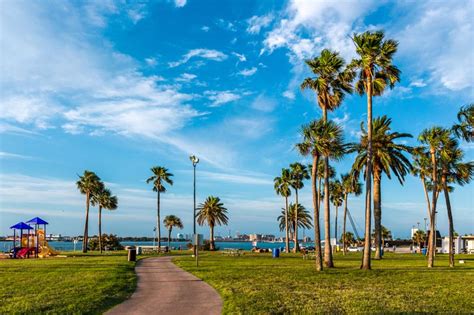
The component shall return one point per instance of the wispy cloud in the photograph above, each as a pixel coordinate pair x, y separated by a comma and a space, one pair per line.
248, 72
256, 23
220, 98
186, 77
209, 54
180, 3
8, 155
241, 57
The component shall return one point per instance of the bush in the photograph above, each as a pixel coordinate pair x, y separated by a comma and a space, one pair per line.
109, 242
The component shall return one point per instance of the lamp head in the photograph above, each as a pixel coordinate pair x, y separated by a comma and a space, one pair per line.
194, 159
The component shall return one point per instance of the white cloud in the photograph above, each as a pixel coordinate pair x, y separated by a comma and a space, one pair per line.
264, 103
180, 3
248, 72
418, 83
151, 61
205, 28
220, 98
341, 120
289, 94
209, 54
8, 155
241, 57
186, 77
236, 178
256, 23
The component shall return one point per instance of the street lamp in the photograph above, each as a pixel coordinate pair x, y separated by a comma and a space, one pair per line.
195, 161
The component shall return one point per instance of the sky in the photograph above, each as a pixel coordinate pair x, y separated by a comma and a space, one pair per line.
117, 87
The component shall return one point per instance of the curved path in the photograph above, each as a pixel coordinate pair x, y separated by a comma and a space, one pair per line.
164, 288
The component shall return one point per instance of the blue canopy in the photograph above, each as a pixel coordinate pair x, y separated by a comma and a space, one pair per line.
21, 226
37, 220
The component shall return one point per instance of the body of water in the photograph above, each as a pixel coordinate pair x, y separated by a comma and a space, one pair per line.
69, 246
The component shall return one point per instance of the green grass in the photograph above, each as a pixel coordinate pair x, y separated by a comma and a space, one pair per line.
81, 284
256, 283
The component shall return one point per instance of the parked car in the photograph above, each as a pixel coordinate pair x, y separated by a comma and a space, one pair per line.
355, 249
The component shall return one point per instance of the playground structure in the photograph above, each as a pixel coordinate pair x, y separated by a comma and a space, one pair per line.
33, 243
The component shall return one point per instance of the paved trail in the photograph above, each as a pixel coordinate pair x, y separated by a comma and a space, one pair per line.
164, 288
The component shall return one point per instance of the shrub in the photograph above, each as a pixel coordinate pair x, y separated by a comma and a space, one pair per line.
109, 242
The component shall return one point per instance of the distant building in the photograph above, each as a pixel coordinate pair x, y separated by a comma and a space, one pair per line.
306, 239
268, 237
180, 237
413, 231
255, 237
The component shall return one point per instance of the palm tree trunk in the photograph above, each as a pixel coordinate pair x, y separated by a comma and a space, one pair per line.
212, 246
319, 190
335, 224
327, 218
317, 233
86, 225
158, 228
450, 222
344, 226
287, 238
428, 204
368, 178
432, 239
100, 228
377, 214
169, 237
296, 248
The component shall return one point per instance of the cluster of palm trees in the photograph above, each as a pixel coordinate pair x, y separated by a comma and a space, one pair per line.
438, 160
212, 211
97, 194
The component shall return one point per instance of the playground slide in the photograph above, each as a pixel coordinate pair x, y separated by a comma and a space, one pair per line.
46, 250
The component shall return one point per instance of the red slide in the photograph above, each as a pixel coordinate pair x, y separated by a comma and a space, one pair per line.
22, 253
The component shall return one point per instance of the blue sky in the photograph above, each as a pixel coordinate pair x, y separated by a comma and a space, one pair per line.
117, 87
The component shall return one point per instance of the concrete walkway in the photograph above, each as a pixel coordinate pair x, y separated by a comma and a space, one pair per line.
164, 288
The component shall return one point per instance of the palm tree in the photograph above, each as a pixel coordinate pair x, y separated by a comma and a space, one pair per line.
160, 176
385, 234
213, 212
434, 138
336, 197
171, 221
375, 72
298, 217
324, 139
104, 199
419, 237
282, 186
465, 128
87, 184
348, 238
350, 185
421, 167
332, 80
299, 173
387, 157
453, 170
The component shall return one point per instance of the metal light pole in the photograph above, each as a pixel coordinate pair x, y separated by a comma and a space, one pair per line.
195, 161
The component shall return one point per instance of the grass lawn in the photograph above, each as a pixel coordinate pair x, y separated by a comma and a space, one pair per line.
256, 283
81, 284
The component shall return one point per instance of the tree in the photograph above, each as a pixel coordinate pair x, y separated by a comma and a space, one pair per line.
453, 170
104, 199
350, 185
298, 173
348, 238
331, 82
87, 184
465, 128
213, 212
421, 167
375, 73
298, 217
282, 186
385, 234
387, 157
169, 222
419, 237
336, 197
433, 138
160, 176
321, 139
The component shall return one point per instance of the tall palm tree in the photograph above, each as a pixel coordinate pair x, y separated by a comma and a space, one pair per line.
465, 128
160, 177
387, 157
87, 184
350, 185
419, 237
433, 138
348, 238
331, 82
336, 198
421, 167
375, 72
299, 173
298, 217
213, 212
104, 199
282, 186
453, 170
170, 222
